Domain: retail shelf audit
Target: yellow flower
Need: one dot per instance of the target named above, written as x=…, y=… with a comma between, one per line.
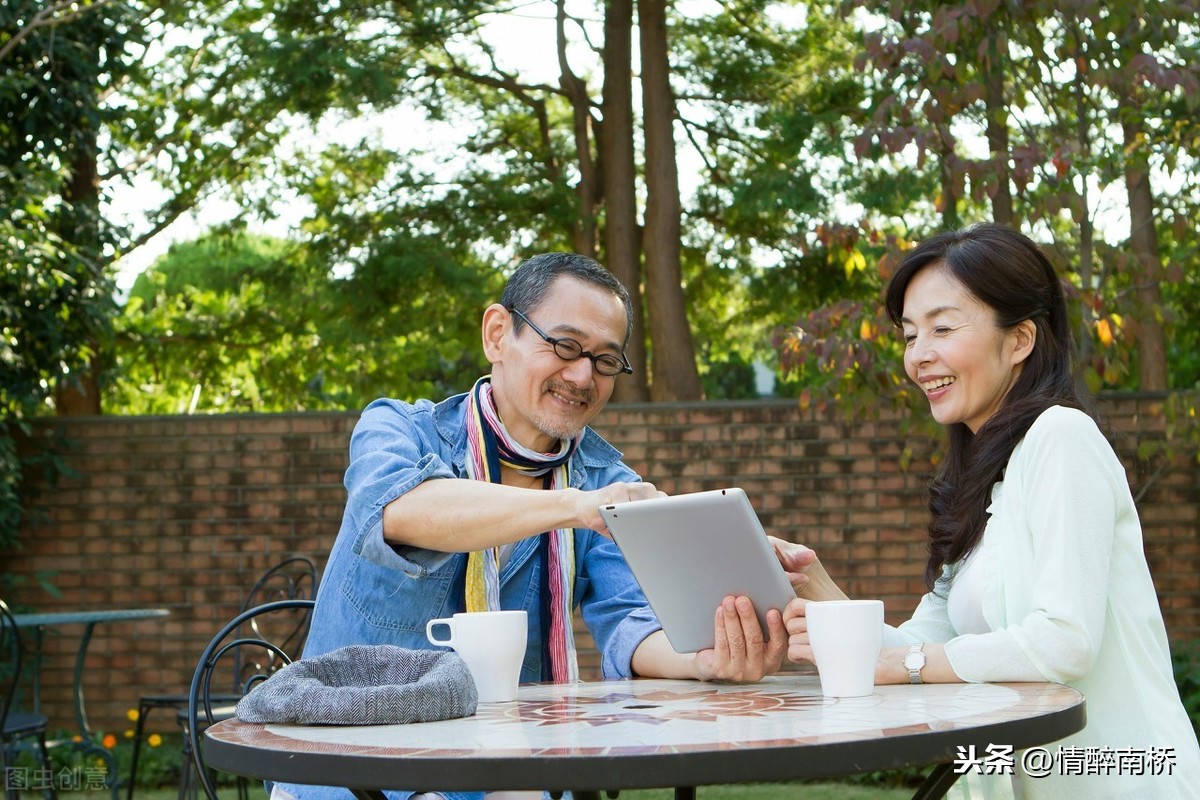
x=132, y=715
x=109, y=741
x=154, y=740
x=129, y=734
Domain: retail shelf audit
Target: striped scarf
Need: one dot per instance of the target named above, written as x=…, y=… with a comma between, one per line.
x=489, y=447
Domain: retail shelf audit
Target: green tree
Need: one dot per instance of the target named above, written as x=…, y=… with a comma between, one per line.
x=523, y=179
x=812, y=174
x=235, y=322
x=770, y=100
x=57, y=299
x=536, y=166
x=1061, y=121
x=55, y=286
x=1044, y=117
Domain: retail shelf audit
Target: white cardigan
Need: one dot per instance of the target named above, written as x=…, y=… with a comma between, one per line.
x=1069, y=599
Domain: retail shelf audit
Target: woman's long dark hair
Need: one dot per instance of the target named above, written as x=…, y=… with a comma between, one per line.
x=1007, y=272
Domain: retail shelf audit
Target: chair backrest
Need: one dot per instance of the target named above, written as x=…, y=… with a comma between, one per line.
x=294, y=578
x=291, y=579
x=260, y=640
x=10, y=661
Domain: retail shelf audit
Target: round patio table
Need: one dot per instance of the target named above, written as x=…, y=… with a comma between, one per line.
x=626, y=734
x=89, y=618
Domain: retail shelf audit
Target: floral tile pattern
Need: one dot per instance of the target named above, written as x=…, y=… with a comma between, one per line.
x=633, y=717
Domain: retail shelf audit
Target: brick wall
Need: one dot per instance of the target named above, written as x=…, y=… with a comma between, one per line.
x=185, y=512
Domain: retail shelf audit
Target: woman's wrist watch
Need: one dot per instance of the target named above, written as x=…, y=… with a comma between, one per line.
x=914, y=662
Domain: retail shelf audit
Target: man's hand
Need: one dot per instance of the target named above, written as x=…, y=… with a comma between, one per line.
x=588, y=503
x=741, y=654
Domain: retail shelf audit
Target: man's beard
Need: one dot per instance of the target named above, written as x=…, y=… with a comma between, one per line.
x=555, y=428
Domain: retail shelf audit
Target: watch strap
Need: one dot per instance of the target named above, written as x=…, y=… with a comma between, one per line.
x=915, y=662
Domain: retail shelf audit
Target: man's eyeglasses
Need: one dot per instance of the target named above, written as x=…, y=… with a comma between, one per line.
x=570, y=350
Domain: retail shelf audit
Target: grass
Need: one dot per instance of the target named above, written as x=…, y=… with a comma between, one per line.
x=160, y=761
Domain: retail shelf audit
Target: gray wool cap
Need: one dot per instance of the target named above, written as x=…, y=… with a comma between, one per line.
x=365, y=685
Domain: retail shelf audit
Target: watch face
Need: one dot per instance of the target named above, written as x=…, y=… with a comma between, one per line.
x=914, y=661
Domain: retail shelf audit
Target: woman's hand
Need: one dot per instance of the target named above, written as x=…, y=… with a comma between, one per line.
x=795, y=560
x=795, y=622
x=795, y=619
x=889, y=669
x=805, y=571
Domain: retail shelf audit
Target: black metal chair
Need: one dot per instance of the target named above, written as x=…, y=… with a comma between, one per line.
x=18, y=726
x=254, y=645
x=293, y=578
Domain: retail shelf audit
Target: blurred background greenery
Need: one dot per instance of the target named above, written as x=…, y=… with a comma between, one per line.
x=750, y=169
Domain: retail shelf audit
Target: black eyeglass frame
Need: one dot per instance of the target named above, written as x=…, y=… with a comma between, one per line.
x=575, y=350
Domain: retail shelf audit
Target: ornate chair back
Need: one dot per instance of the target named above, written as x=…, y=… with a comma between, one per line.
x=259, y=641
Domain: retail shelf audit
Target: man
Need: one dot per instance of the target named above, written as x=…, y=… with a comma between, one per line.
x=490, y=500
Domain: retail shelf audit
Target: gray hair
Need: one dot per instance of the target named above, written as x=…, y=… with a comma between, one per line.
x=532, y=279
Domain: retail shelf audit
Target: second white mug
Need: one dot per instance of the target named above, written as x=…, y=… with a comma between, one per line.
x=846, y=636
x=492, y=643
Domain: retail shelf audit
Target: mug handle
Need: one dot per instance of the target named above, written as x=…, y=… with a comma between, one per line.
x=449, y=623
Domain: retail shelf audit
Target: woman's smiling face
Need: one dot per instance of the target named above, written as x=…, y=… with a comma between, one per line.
x=954, y=350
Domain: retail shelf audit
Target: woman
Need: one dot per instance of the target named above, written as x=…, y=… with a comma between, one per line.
x=1035, y=556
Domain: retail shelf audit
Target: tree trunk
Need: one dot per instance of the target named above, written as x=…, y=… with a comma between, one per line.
x=587, y=188
x=997, y=129
x=1085, y=344
x=1143, y=244
x=79, y=394
x=623, y=251
x=672, y=352
x=949, y=178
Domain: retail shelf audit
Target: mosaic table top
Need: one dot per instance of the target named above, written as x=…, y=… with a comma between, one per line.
x=636, y=733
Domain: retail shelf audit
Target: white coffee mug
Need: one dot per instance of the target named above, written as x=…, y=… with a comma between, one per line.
x=492, y=643
x=845, y=636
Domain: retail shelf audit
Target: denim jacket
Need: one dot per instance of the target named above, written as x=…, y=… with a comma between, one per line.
x=375, y=593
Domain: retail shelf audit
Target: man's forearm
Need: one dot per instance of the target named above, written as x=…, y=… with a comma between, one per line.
x=457, y=515
x=655, y=658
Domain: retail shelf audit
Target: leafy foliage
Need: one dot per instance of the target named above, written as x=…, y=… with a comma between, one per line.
x=1185, y=662
x=78, y=768
x=1022, y=113
x=765, y=103
x=55, y=290
x=829, y=136
x=235, y=322
x=51, y=304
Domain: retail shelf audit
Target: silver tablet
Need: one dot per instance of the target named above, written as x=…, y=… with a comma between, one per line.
x=690, y=551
